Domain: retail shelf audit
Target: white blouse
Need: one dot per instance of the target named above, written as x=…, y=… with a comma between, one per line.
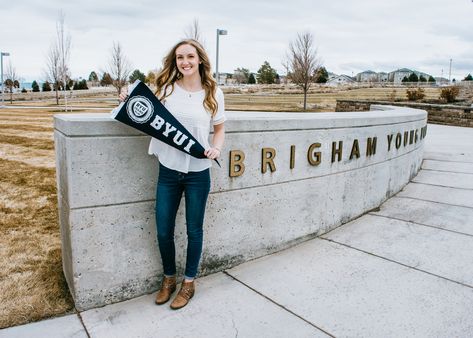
x=188, y=108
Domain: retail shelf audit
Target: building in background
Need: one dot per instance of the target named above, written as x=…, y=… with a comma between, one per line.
x=367, y=76
x=340, y=80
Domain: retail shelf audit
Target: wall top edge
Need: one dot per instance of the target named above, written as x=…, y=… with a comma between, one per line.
x=95, y=124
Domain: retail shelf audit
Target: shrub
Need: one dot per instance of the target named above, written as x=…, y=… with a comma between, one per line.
x=414, y=94
x=46, y=87
x=413, y=77
x=449, y=94
x=35, y=86
x=80, y=85
x=23, y=90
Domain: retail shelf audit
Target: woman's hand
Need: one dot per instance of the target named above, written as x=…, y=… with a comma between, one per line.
x=123, y=95
x=212, y=153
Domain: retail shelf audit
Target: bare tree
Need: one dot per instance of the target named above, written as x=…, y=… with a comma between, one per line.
x=57, y=59
x=285, y=64
x=12, y=79
x=193, y=31
x=241, y=75
x=63, y=43
x=118, y=67
x=151, y=77
x=303, y=62
x=52, y=72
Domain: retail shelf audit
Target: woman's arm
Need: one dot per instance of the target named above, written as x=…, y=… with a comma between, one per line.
x=217, y=141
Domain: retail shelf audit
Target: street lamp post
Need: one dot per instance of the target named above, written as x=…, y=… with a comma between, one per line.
x=2, y=54
x=450, y=72
x=219, y=32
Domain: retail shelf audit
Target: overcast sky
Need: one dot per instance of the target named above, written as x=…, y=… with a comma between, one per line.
x=352, y=36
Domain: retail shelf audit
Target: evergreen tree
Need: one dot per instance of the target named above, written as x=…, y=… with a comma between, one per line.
x=46, y=87
x=321, y=75
x=83, y=85
x=80, y=85
x=93, y=77
x=251, y=79
x=422, y=79
x=468, y=78
x=106, y=79
x=405, y=79
x=35, y=86
x=137, y=75
x=266, y=74
x=431, y=79
x=413, y=78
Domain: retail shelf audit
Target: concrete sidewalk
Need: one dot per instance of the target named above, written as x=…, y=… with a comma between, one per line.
x=404, y=270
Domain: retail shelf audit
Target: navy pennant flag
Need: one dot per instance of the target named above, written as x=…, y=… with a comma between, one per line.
x=143, y=111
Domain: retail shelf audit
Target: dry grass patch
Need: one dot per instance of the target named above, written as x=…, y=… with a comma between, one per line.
x=32, y=284
x=27, y=120
x=41, y=135
x=29, y=156
x=317, y=100
x=33, y=128
x=34, y=143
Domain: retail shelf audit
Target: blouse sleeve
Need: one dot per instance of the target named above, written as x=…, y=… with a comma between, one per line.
x=220, y=115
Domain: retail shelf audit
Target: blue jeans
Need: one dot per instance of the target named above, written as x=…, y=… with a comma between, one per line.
x=171, y=185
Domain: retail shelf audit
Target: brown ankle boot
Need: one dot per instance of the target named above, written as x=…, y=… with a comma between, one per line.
x=168, y=286
x=185, y=294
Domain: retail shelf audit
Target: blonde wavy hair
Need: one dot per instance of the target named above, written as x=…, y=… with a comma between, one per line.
x=169, y=74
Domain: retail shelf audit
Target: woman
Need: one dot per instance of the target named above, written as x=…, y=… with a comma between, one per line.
x=187, y=89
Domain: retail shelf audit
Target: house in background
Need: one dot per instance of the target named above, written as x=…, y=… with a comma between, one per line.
x=367, y=76
x=226, y=79
x=331, y=75
x=396, y=76
x=441, y=80
x=340, y=80
x=425, y=75
x=383, y=77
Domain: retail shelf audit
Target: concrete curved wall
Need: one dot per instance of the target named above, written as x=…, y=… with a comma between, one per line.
x=283, y=180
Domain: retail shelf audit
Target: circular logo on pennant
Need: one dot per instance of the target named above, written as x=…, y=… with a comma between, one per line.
x=139, y=109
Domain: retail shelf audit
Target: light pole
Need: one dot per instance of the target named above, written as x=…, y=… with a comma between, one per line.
x=450, y=72
x=219, y=32
x=2, y=54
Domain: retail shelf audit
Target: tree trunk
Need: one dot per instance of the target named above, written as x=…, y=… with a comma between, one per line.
x=305, y=99
x=11, y=96
x=57, y=97
x=65, y=97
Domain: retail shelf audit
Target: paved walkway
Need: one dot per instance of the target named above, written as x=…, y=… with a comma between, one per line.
x=405, y=270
